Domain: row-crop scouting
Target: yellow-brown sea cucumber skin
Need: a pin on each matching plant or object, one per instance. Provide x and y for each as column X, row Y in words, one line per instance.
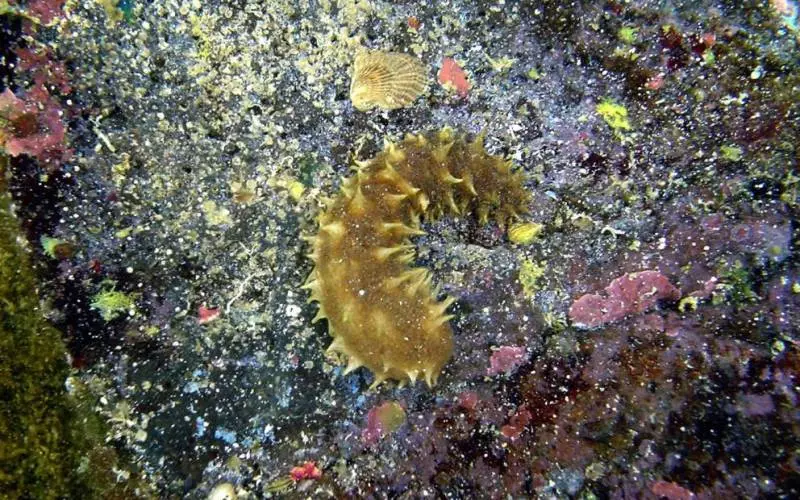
column 382, row 312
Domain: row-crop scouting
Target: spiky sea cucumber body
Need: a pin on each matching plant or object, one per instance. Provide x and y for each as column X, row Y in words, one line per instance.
column 382, row 312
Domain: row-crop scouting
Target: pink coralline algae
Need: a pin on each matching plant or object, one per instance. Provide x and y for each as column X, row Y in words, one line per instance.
column 44, row 10
column 453, row 76
column 708, row 288
column 33, row 126
column 44, row 68
column 671, row 491
column 506, row 359
column 383, row 420
column 629, row 294
column 207, row 314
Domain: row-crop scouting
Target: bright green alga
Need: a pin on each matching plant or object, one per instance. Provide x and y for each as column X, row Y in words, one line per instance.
column 628, row 34
column 529, row 275
column 615, row 115
column 111, row 303
column 731, row 153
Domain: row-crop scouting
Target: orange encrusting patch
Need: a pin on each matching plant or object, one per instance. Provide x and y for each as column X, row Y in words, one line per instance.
column 452, row 75
column 382, row 312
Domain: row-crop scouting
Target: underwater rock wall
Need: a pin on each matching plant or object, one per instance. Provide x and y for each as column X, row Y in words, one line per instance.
column 166, row 159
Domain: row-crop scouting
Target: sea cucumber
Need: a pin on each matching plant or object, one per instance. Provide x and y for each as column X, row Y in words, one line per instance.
column 382, row 312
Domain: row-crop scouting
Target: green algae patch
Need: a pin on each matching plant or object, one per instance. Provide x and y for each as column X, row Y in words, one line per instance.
column 280, row 485
column 731, row 153
column 615, row 115
column 525, row 233
column 113, row 13
column 111, row 303
column 308, row 167
column 51, row 444
column 534, row 74
column 529, row 275
column 56, row 248
column 216, row 215
column 736, row 285
column 688, row 304
column 628, row 34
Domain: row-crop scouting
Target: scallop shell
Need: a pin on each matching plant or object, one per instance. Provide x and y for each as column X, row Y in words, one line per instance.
column 388, row 80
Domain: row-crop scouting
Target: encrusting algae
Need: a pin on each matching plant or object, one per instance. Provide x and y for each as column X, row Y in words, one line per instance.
column 382, row 312
column 388, row 80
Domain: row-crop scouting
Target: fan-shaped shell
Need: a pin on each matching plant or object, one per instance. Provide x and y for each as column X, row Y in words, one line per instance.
column 388, row 80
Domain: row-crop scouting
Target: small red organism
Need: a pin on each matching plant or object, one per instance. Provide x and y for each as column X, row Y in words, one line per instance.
column 468, row 400
column 516, row 424
column 655, row 82
column 506, row 359
column 703, row 42
column 95, row 266
column 413, row 23
column 615, row 8
column 671, row 38
column 307, row 470
column 207, row 314
column 452, row 76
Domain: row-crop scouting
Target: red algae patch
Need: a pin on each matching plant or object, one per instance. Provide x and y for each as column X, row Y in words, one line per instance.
column 506, row 359
column 629, row 294
column 307, row 470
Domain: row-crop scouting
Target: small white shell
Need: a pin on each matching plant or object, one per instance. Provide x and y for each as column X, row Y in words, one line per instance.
column 388, row 80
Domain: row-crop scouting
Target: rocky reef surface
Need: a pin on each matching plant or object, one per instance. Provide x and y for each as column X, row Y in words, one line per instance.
column 636, row 337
